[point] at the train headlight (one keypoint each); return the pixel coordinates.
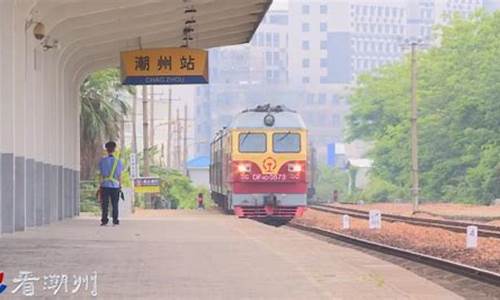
(294, 168)
(244, 168)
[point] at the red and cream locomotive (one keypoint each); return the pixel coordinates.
(259, 165)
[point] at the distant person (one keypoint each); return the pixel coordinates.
(335, 196)
(110, 168)
(200, 201)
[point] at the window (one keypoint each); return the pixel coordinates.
(305, 45)
(323, 63)
(323, 9)
(305, 9)
(305, 27)
(276, 40)
(305, 63)
(252, 142)
(278, 19)
(305, 79)
(323, 45)
(269, 58)
(268, 39)
(276, 58)
(323, 27)
(269, 74)
(286, 142)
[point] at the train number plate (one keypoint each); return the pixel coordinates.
(267, 177)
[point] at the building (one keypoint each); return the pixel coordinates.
(308, 54)
(198, 171)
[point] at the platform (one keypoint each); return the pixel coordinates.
(198, 254)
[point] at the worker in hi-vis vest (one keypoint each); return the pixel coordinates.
(110, 168)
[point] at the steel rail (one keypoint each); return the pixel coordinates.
(484, 230)
(479, 274)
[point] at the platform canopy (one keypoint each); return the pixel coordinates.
(47, 49)
(91, 33)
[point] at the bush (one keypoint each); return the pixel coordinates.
(331, 179)
(379, 190)
(179, 189)
(88, 200)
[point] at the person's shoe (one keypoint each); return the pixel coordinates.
(104, 224)
(116, 223)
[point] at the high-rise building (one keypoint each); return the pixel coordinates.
(308, 54)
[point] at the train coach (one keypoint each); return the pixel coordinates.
(259, 165)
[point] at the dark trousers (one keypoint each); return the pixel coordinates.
(108, 194)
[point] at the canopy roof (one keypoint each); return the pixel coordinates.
(91, 33)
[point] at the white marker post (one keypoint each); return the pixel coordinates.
(375, 221)
(134, 172)
(471, 237)
(346, 223)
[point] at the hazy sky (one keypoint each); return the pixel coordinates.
(279, 4)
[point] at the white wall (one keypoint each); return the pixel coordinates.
(38, 127)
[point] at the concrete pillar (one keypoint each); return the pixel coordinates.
(39, 193)
(20, 125)
(7, 120)
(31, 125)
(39, 152)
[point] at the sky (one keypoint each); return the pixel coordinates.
(279, 4)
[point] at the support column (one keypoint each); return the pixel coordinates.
(39, 193)
(7, 117)
(39, 138)
(30, 192)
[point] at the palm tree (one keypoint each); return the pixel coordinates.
(102, 110)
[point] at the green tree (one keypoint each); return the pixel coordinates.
(102, 108)
(459, 115)
(179, 189)
(329, 180)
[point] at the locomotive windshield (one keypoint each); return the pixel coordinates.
(252, 142)
(286, 142)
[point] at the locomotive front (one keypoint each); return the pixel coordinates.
(259, 164)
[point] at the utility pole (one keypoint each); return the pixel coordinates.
(152, 118)
(122, 135)
(134, 125)
(185, 146)
(414, 133)
(179, 132)
(169, 124)
(145, 129)
(162, 155)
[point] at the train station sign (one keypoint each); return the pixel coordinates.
(164, 66)
(147, 185)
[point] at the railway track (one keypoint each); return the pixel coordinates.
(478, 274)
(484, 230)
